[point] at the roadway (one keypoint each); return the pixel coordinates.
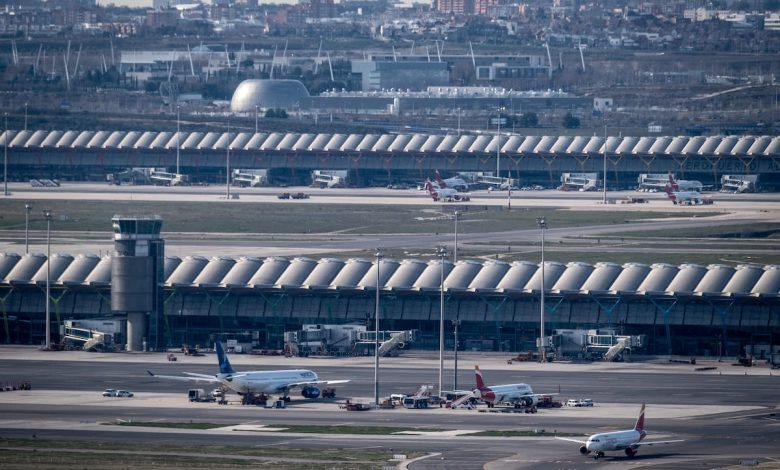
(725, 414)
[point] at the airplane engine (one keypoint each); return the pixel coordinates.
(630, 452)
(529, 401)
(310, 392)
(584, 450)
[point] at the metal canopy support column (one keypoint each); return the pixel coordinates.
(219, 300)
(494, 307)
(665, 311)
(5, 314)
(609, 305)
(166, 320)
(722, 307)
(551, 305)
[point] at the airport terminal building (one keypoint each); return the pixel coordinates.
(373, 159)
(686, 309)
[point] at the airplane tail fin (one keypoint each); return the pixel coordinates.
(224, 363)
(431, 192)
(640, 422)
(480, 380)
(441, 182)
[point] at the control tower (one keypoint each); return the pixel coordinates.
(136, 279)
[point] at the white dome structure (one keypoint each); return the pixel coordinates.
(253, 93)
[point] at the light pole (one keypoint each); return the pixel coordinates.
(605, 163)
(227, 163)
(498, 145)
(455, 250)
(27, 208)
(458, 121)
(542, 222)
(25, 116)
(5, 156)
(47, 215)
(255, 119)
(442, 252)
(378, 255)
(456, 323)
(178, 137)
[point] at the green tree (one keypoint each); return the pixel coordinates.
(570, 121)
(529, 120)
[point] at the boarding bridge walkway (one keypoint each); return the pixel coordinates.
(390, 341)
(615, 351)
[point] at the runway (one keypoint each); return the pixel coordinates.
(724, 415)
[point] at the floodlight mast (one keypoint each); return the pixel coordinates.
(542, 222)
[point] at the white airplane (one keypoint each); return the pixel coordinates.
(267, 382)
(628, 441)
(690, 198)
(455, 182)
(445, 194)
(518, 395)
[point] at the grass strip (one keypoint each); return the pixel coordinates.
(151, 449)
(275, 218)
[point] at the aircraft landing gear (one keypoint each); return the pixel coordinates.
(598, 455)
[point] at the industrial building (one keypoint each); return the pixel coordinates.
(687, 309)
(399, 98)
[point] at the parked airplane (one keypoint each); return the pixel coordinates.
(689, 198)
(445, 194)
(456, 182)
(628, 441)
(518, 395)
(268, 382)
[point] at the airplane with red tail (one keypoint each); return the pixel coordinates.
(684, 197)
(517, 395)
(445, 194)
(456, 183)
(628, 440)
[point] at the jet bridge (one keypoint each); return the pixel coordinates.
(579, 182)
(78, 336)
(329, 178)
(250, 178)
(601, 343)
(738, 183)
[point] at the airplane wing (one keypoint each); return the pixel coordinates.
(192, 378)
(570, 440)
(651, 443)
(316, 382)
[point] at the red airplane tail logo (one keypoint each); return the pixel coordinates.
(480, 380)
(640, 423)
(441, 182)
(431, 192)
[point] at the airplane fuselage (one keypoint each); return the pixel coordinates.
(610, 441)
(265, 381)
(509, 393)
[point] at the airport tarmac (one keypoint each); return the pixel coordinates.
(724, 415)
(739, 209)
(725, 202)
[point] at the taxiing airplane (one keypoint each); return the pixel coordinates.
(445, 194)
(628, 440)
(457, 183)
(268, 382)
(518, 395)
